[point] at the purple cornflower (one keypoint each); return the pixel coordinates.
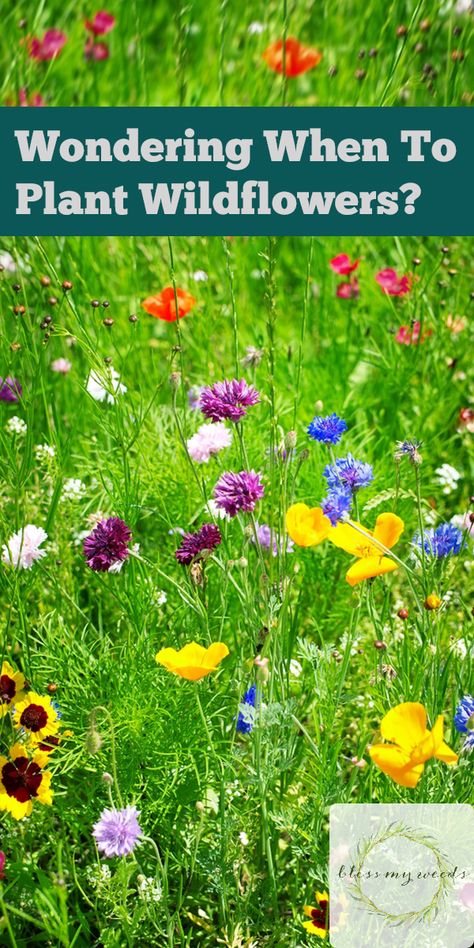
(227, 400)
(328, 429)
(205, 539)
(117, 831)
(410, 449)
(107, 544)
(246, 716)
(10, 389)
(337, 505)
(234, 492)
(446, 540)
(264, 539)
(348, 473)
(194, 397)
(464, 713)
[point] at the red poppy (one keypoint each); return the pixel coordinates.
(342, 264)
(163, 305)
(298, 58)
(410, 335)
(49, 47)
(392, 284)
(349, 290)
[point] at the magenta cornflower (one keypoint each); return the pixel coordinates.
(10, 389)
(204, 540)
(117, 832)
(228, 399)
(234, 492)
(107, 545)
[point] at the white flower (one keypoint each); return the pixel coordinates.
(117, 564)
(16, 425)
(214, 511)
(295, 668)
(23, 548)
(44, 452)
(149, 889)
(160, 597)
(458, 647)
(448, 477)
(256, 28)
(209, 440)
(200, 276)
(7, 262)
(63, 366)
(244, 839)
(73, 489)
(104, 388)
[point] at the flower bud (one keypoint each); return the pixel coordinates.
(175, 379)
(93, 740)
(263, 671)
(403, 613)
(432, 602)
(107, 778)
(290, 440)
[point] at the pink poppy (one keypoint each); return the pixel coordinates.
(391, 283)
(410, 335)
(342, 264)
(49, 47)
(34, 100)
(349, 290)
(101, 23)
(96, 51)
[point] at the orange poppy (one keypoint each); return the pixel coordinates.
(163, 305)
(298, 58)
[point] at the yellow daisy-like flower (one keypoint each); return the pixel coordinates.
(318, 915)
(12, 685)
(193, 661)
(36, 715)
(412, 744)
(307, 526)
(23, 780)
(371, 560)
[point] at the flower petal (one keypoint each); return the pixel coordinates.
(215, 653)
(388, 529)
(307, 526)
(396, 764)
(405, 725)
(367, 567)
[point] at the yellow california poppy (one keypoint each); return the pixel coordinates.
(370, 557)
(193, 661)
(307, 526)
(319, 916)
(412, 744)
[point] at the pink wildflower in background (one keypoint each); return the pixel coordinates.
(410, 335)
(101, 23)
(209, 440)
(23, 548)
(49, 47)
(63, 366)
(228, 399)
(349, 290)
(10, 389)
(342, 264)
(391, 283)
(235, 492)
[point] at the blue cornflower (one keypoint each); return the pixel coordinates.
(469, 742)
(409, 448)
(464, 712)
(348, 473)
(337, 505)
(328, 429)
(246, 716)
(446, 540)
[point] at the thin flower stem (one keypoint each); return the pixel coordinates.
(100, 708)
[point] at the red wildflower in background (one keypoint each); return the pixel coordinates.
(35, 99)
(410, 335)
(342, 264)
(298, 58)
(101, 23)
(43, 50)
(349, 290)
(163, 305)
(466, 419)
(391, 283)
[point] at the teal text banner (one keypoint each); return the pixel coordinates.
(237, 171)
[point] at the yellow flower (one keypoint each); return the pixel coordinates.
(319, 915)
(36, 715)
(12, 686)
(412, 744)
(307, 526)
(22, 780)
(371, 560)
(432, 602)
(193, 661)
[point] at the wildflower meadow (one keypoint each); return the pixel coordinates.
(236, 573)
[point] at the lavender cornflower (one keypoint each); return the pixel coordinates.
(247, 710)
(107, 544)
(348, 473)
(227, 400)
(264, 539)
(327, 429)
(410, 449)
(446, 540)
(204, 540)
(117, 831)
(252, 357)
(464, 715)
(234, 492)
(337, 505)
(194, 397)
(10, 389)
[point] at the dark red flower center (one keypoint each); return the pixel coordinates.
(49, 744)
(7, 689)
(34, 717)
(21, 779)
(319, 916)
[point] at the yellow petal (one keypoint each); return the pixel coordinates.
(445, 754)
(369, 566)
(167, 657)
(215, 653)
(349, 539)
(440, 749)
(388, 529)
(307, 526)
(308, 909)
(396, 764)
(405, 725)
(192, 672)
(322, 897)
(314, 929)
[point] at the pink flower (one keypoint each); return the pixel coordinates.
(391, 283)
(410, 335)
(63, 366)
(342, 264)
(49, 47)
(349, 290)
(209, 440)
(35, 99)
(101, 23)
(96, 51)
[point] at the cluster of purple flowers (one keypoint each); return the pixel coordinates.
(464, 721)
(10, 389)
(236, 492)
(107, 545)
(227, 400)
(446, 540)
(269, 539)
(246, 715)
(193, 544)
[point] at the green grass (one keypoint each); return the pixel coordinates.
(199, 785)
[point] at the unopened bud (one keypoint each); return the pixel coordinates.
(107, 778)
(93, 741)
(175, 379)
(290, 440)
(243, 562)
(197, 574)
(263, 671)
